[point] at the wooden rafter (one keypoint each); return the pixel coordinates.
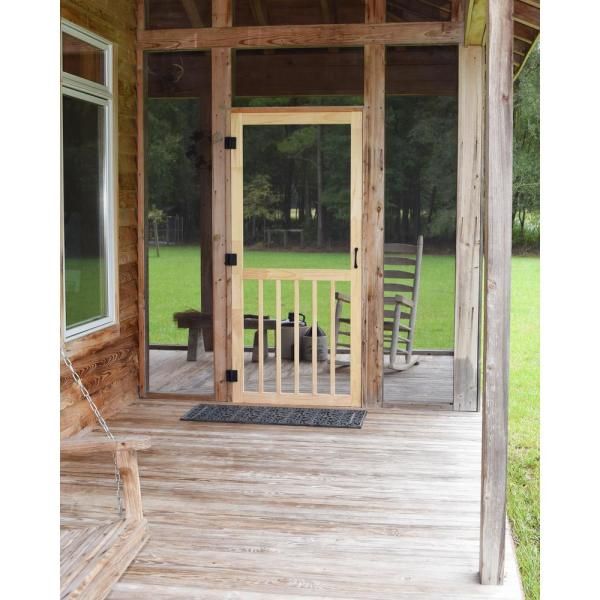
(328, 11)
(193, 14)
(259, 12)
(526, 13)
(525, 59)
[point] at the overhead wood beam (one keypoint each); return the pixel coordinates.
(193, 14)
(497, 253)
(304, 36)
(475, 22)
(468, 227)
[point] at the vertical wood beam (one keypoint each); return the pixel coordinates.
(497, 252)
(468, 227)
(132, 495)
(143, 351)
(373, 211)
(221, 192)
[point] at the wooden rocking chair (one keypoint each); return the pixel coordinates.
(401, 279)
(93, 558)
(402, 273)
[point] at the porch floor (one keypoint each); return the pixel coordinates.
(255, 512)
(429, 382)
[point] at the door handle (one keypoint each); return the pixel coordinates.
(356, 258)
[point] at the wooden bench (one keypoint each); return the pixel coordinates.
(93, 558)
(196, 322)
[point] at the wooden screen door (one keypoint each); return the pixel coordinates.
(295, 237)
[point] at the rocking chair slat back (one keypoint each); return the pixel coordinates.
(401, 291)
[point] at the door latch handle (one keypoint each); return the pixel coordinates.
(356, 258)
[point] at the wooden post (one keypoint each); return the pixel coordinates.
(143, 351)
(373, 211)
(468, 227)
(220, 106)
(497, 252)
(130, 478)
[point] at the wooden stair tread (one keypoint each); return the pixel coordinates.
(93, 558)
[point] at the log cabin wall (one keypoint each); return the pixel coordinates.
(107, 360)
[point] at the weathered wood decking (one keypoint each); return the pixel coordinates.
(254, 512)
(430, 382)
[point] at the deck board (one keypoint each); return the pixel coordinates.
(429, 382)
(264, 512)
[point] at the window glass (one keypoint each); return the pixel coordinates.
(82, 59)
(178, 194)
(299, 76)
(420, 177)
(85, 267)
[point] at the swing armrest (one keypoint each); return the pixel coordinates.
(91, 444)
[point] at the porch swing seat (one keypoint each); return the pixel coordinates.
(93, 557)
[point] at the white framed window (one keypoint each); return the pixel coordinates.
(88, 177)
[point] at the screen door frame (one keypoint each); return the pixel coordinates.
(353, 117)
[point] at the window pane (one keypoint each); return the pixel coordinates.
(178, 195)
(86, 294)
(420, 184)
(298, 76)
(297, 12)
(178, 14)
(82, 59)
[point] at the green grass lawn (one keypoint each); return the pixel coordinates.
(174, 281)
(524, 421)
(175, 285)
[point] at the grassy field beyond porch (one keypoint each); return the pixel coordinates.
(174, 281)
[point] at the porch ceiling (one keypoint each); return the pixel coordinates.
(526, 27)
(388, 511)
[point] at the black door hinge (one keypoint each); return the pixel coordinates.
(230, 143)
(230, 260)
(231, 375)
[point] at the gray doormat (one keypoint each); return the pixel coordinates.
(277, 415)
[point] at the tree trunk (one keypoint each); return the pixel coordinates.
(156, 244)
(432, 204)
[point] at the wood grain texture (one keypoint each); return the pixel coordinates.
(468, 234)
(108, 359)
(303, 36)
(93, 558)
(221, 194)
(241, 511)
(475, 22)
(497, 250)
(373, 224)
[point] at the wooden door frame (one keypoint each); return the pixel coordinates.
(305, 115)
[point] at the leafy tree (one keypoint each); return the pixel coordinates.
(526, 159)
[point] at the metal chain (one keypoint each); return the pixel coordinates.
(99, 418)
